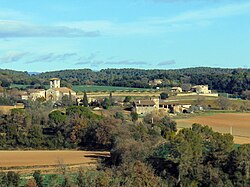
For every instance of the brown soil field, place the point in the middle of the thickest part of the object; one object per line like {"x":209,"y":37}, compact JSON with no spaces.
{"x":239,"y":122}
{"x":48,"y":161}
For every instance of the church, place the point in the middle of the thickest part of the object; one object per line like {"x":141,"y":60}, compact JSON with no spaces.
{"x":56,"y":92}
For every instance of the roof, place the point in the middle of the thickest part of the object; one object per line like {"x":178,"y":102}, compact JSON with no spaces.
{"x":198,"y":86}
{"x":35,"y":90}
{"x":175,"y":88}
{"x":64,"y":90}
{"x":173,"y":103}
{"x":144,"y":102}
{"x":52,"y":79}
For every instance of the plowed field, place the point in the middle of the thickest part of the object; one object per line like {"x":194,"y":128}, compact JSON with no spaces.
{"x":238,"y":123}
{"x":27,"y":161}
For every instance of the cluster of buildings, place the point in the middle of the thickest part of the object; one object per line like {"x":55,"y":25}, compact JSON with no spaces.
{"x":154,"y":105}
{"x":199,"y":89}
{"x":54,"y":93}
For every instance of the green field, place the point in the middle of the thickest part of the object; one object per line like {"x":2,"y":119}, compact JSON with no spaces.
{"x":95,"y":88}
{"x":91,"y":88}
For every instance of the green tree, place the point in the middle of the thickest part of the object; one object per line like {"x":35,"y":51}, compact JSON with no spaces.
{"x":38,"y":178}
{"x":85,"y":99}
{"x":13,"y":179}
{"x":164,"y":95}
{"x":3,"y":179}
{"x":106,"y":103}
{"x":35,"y":136}
{"x":57,"y":118}
{"x":134,"y":116}
{"x":239,"y":165}
{"x":127,"y":99}
{"x":66,"y":100}
{"x":119,"y":115}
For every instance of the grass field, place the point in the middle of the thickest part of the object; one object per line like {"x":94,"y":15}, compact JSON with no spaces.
{"x":223,"y":122}
{"x":48,"y":161}
{"x":95,"y":88}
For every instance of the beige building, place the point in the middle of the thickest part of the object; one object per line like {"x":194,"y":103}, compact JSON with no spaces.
{"x":174,"y":107}
{"x":56,"y":92}
{"x":146,"y":106}
{"x":55,"y":83}
{"x":202,"y":89}
{"x":176,"y":89}
{"x":154,"y":105}
{"x":155,"y":82}
{"x":34,"y":94}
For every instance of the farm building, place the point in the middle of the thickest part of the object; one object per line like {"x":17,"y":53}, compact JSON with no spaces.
{"x":203,"y":89}
{"x":146,"y":106}
{"x":155,"y":82}
{"x":176,"y":89}
{"x":174,"y":107}
{"x":153,"y":105}
{"x":34,"y":94}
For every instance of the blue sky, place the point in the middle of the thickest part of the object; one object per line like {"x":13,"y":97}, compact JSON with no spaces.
{"x":45,"y":35}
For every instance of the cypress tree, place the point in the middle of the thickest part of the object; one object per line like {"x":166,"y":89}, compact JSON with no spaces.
{"x":85,"y":99}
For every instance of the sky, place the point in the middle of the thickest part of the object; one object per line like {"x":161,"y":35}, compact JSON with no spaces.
{"x":48,"y":35}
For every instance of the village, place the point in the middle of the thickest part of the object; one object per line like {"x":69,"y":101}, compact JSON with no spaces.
{"x":141,"y":103}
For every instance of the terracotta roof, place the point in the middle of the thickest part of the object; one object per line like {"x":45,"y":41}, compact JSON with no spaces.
{"x":172,"y":103}
{"x":174,"y":88}
{"x":35,"y":90}
{"x":64,"y":90}
{"x":52,"y":79}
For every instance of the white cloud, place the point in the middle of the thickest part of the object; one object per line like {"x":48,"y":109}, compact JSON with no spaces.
{"x":157,"y":25}
{"x":14,"y":29}
{"x":13,"y":56}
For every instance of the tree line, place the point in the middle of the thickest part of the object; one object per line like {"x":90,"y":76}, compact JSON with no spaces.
{"x":233,"y":81}
{"x":143,"y":153}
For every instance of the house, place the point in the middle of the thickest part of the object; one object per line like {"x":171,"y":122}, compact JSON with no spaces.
{"x":23,"y":95}
{"x":155,"y":82}
{"x":174,"y":107}
{"x":56,"y":92}
{"x":34,"y":94}
{"x":176,"y":89}
{"x":146,"y":106}
{"x":201,"y":89}
{"x":154,"y":105}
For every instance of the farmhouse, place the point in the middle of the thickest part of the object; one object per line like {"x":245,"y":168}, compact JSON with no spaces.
{"x":146,"y":106}
{"x":155,"y":82}
{"x":153,"y":105}
{"x":201,"y":89}
{"x":176,"y":89}
{"x":174,"y":107}
{"x":56,"y":92}
{"x":34,"y":94}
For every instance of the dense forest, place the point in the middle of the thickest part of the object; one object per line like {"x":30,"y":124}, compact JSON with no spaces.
{"x":142,"y":153}
{"x":233,"y":81}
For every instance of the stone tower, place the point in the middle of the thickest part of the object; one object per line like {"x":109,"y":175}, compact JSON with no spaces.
{"x":55,"y":83}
